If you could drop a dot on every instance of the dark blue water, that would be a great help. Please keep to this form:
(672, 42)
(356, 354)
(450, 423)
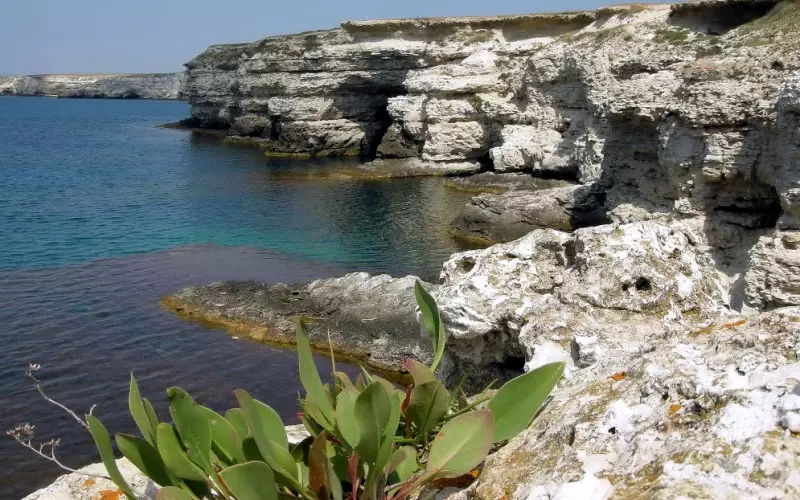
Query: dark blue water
(102, 213)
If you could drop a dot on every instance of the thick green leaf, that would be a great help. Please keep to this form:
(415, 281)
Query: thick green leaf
(346, 417)
(360, 383)
(250, 481)
(319, 467)
(272, 423)
(429, 404)
(145, 458)
(315, 415)
(403, 464)
(139, 413)
(250, 450)
(433, 322)
(309, 376)
(174, 456)
(516, 403)
(225, 442)
(276, 455)
(420, 372)
(462, 444)
(172, 493)
(103, 442)
(193, 427)
(151, 417)
(372, 411)
(387, 441)
(235, 417)
(344, 380)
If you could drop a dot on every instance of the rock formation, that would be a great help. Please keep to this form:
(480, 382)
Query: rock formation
(668, 111)
(133, 86)
(660, 260)
(369, 319)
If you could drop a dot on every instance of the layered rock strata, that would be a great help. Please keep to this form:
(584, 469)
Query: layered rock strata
(131, 86)
(669, 111)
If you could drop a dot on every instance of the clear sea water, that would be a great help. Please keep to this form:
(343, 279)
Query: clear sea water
(102, 214)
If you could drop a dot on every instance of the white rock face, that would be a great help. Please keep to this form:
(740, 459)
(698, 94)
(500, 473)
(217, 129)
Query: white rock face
(76, 486)
(671, 111)
(667, 392)
(677, 420)
(133, 86)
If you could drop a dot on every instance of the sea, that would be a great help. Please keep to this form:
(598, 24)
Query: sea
(102, 213)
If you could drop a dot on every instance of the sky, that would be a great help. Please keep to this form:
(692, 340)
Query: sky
(144, 36)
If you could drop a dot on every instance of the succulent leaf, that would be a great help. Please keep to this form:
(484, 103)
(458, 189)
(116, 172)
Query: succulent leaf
(516, 403)
(250, 481)
(139, 412)
(372, 411)
(462, 444)
(145, 458)
(309, 376)
(174, 456)
(103, 442)
(433, 322)
(429, 404)
(345, 416)
(193, 427)
(420, 372)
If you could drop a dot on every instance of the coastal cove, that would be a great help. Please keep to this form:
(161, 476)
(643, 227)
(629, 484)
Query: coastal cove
(615, 192)
(102, 214)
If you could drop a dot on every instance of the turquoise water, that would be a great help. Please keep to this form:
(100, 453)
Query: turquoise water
(102, 214)
(82, 180)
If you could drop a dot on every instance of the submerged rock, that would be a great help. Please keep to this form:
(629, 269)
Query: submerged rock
(496, 183)
(370, 319)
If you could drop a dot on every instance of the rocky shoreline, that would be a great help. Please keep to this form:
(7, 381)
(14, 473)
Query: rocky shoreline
(640, 179)
(159, 86)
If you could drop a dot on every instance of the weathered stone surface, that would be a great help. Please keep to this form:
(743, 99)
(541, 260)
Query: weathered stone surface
(668, 110)
(504, 217)
(134, 86)
(567, 289)
(370, 319)
(79, 486)
(773, 277)
(76, 486)
(708, 413)
(492, 182)
(667, 391)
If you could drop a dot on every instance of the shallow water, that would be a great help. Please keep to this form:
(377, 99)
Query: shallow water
(101, 214)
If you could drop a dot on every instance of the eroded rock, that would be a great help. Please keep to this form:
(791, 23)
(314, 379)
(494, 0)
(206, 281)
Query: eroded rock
(505, 217)
(370, 319)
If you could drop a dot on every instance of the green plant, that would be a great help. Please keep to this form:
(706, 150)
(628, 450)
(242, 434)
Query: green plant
(368, 439)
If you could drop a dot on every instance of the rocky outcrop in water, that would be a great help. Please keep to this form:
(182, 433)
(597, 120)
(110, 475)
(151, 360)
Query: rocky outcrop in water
(369, 319)
(132, 86)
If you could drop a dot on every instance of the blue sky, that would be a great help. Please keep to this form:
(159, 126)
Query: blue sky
(115, 36)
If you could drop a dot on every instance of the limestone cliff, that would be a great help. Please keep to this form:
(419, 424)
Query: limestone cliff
(669, 111)
(109, 86)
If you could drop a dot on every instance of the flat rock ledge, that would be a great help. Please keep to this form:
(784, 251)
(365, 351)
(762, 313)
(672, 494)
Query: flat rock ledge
(370, 319)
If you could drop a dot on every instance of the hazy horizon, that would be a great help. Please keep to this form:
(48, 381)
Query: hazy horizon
(90, 36)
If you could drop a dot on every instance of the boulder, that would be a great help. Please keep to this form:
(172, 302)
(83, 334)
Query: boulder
(507, 216)
(578, 293)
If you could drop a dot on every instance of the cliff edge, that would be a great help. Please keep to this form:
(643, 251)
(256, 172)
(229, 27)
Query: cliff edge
(107, 86)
